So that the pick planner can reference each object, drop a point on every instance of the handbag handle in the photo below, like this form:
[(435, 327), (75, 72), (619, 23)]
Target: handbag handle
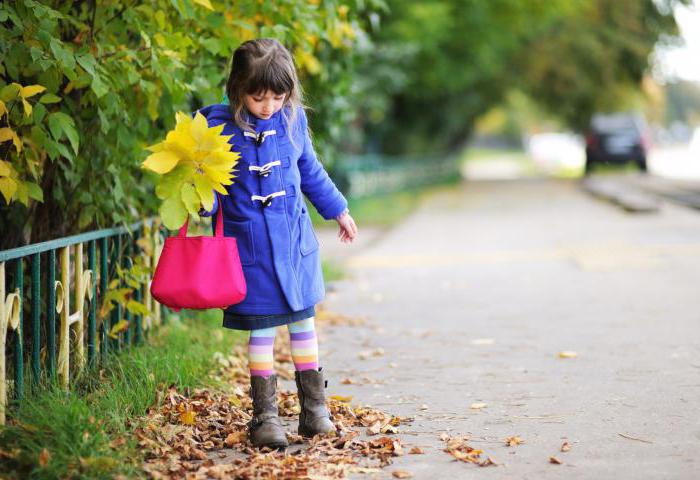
[(219, 231)]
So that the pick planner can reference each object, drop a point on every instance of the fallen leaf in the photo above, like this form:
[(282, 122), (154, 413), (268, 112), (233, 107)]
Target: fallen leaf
[(487, 462), (235, 438), (567, 354), (554, 459), (482, 341), (514, 440), (461, 450), (187, 417), (117, 442), (401, 474), (477, 405), (44, 458), (565, 447), (416, 451), (389, 428), (374, 428), (340, 398)]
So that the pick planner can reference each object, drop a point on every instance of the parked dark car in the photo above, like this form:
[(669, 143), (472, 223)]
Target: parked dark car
[(617, 139)]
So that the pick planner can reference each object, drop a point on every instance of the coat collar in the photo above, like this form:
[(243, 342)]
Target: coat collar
[(261, 124)]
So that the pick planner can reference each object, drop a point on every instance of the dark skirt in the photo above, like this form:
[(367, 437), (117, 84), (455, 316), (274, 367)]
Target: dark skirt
[(256, 322)]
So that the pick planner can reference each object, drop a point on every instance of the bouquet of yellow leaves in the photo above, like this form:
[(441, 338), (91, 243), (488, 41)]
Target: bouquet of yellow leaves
[(194, 160)]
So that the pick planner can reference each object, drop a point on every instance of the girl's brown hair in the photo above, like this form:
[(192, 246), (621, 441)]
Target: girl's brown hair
[(257, 66)]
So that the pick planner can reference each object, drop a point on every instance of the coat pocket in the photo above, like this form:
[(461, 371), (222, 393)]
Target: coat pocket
[(308, 242), (243, 232)]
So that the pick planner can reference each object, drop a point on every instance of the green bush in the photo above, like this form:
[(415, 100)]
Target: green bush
[(86, 85)]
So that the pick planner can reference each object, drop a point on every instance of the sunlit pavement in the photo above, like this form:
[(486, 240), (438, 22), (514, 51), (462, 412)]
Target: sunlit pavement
[(471, 300)]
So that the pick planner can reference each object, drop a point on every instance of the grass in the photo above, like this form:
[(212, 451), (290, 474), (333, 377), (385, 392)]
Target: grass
[(384, 210), (85, 431), (488, 154), (332, 271)]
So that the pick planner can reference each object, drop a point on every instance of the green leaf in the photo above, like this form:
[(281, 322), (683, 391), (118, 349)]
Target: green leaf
[(22, 193), (64, 151), (9, 92), (137, 308), (104, 121), (50, 98), (35, 191), (61, 124), (88, 62), (63, 55), (190, 198), (55, 125), (86, 217), (173, 212), (171, 183), (99, 87), (38, 113)]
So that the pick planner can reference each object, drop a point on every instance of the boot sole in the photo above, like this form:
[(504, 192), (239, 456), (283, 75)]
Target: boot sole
[(276, 446)]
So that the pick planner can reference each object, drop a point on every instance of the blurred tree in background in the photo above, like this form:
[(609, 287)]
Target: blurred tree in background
[(683, 102), (86, 85), (450, 61), (594, 57)]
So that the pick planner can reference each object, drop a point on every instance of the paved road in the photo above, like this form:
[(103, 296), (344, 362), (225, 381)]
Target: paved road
[(473, 297)]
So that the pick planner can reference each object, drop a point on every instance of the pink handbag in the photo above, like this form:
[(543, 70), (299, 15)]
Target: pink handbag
[(199, 272)]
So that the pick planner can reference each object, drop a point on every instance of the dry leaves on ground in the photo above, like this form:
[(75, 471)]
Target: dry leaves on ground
[(202, 434), (461, 450)]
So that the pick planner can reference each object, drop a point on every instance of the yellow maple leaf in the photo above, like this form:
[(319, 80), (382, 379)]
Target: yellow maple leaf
[(192, 154), (187, 417)]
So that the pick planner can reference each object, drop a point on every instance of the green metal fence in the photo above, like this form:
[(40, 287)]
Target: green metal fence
[(59, 330), (365, 175)]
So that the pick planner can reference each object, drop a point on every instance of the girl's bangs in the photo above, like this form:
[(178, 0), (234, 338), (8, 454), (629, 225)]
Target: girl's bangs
[(266, 79)]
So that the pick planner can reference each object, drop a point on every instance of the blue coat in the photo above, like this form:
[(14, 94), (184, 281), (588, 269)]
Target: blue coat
[(265, 211)]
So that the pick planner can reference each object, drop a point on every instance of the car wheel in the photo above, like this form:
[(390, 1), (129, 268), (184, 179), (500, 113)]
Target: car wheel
[(642, 164)]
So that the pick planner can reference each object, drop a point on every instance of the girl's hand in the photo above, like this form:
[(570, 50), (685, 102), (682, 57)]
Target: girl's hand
[(348, 229)]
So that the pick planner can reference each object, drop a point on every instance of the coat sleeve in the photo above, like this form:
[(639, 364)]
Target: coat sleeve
[(315, 182)]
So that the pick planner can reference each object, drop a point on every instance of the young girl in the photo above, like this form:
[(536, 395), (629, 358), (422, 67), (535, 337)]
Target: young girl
[(265, 211)]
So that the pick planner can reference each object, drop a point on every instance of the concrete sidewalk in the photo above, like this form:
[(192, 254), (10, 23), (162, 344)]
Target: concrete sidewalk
[(472, 299)]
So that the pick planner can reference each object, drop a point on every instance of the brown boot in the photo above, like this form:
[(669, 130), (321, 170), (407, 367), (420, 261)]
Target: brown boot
[(314, 417), (265, 428)]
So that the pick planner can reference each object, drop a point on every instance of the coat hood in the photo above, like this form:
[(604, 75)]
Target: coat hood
[(217, 113)]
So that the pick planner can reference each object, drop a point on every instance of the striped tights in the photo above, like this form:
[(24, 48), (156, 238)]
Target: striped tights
[(304, 348)]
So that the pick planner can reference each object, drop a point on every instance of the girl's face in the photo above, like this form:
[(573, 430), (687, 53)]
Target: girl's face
[(264, 105)]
